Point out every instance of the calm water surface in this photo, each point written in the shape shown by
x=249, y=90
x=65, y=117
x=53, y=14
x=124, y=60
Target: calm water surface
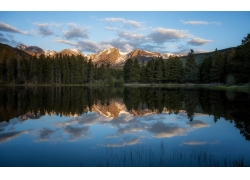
x=79, y=126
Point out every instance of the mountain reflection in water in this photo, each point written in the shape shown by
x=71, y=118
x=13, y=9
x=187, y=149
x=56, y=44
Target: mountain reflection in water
x=101, y=118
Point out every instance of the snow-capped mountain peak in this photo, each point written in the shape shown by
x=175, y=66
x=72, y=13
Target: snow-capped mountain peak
x=50, y=53
x=75, y=50
x=71, y=52
x=22, y=47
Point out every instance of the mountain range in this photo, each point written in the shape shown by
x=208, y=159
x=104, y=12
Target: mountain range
x=112, y=56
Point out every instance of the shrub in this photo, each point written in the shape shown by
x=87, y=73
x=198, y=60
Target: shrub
x=230, y=80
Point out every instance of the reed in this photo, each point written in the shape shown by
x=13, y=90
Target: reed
x=140, y=156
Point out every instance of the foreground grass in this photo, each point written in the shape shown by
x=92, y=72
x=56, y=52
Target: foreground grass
x=168, y=85
x=146, y=156
x=57, y=85
x=241, y=88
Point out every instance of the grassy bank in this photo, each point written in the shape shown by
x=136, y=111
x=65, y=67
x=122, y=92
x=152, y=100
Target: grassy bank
x=161, y=156
x=241, y=88
x=57, y=85
x=168, y=85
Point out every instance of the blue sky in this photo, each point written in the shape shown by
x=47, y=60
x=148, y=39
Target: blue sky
x=92, y=31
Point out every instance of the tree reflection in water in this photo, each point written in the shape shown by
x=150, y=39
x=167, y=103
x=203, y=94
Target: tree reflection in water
x=34, y=102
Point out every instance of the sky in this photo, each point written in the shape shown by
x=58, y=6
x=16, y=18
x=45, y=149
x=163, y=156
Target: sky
x=157, y=31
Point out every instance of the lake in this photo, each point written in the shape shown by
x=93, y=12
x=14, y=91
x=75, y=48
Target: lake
x=141, y=127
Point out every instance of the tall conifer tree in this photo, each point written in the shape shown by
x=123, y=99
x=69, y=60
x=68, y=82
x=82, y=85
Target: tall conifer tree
x=191, y=70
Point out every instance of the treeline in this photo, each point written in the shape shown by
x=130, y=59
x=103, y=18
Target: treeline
x=231, y=67
x=156, y=71
x=63, y=100
x=54, y=70
x=16, y=101
x=232, y=106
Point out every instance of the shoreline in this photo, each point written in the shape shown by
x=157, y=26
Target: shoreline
x=55, y=85
x=240, y=88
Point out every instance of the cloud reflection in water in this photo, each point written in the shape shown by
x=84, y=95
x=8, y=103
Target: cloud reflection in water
x=7, y=136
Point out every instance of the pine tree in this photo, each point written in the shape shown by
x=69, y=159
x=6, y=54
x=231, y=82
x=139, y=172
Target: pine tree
x=143, y=75
x=191, y=70
x=10, y=65
x=90, y=71
x=127, y=70
x=83, y=70
x=67, y=70
x=150, y=71
x=59, y=69
x=120, y=82
x=3, y=64
x=229, y=56
x=95, y=72
x=49, y=70
x=33, y=72
x=40, y=69
x=241, y=61
x=107, y=73
x=101, y=72
x=135, y=72
x=24, y=70
x=173, y=70
x=206, y=66
x=159, y=69
x=218, y=67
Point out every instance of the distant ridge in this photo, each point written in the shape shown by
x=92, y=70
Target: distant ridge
x=112, y=56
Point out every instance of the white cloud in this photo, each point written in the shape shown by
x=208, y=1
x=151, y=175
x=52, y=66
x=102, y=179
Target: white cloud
x=92, y=46
x=44, y=29
x=126, y=143
x=200, y=22
x=198, y=41
x=198, y=124
x=65, y=42
x=76, y=132
x=127, y=22
x=111, y=29
x=8, y=28
x=128, y=48
x=201, y=51
x=162, y=130
x=162, y=35
x=115, y=20
x=129, y=35
x=130, y=129
x=76, y=32
x=87, y=46
x=133, y=23
x=8, y=40
x=7, y=136
x=4, y=40
x=72, y=24
x=192, y=143
x=45, y=134
x=123, y=45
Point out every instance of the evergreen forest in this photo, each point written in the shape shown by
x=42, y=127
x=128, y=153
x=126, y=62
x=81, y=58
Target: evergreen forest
x=231, y=67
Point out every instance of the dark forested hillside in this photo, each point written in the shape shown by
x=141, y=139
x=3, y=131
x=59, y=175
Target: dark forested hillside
x=230, y=66
x=18, y=67
x=199, y=57
x=13, y=51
